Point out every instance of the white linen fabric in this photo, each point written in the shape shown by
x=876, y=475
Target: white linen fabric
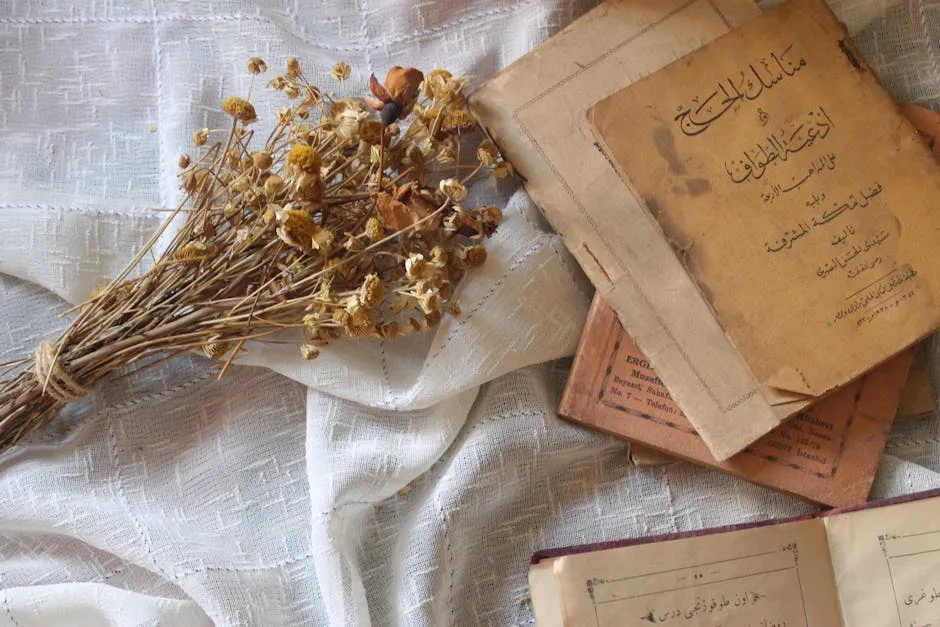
x=400, y=483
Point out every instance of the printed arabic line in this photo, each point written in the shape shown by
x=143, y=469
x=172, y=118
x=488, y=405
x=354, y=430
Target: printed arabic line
x=780, y=148
x=690, y=121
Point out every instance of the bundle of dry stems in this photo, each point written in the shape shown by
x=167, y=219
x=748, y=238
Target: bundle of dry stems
x=347, y=221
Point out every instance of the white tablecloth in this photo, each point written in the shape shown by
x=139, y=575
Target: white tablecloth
x=397, y=483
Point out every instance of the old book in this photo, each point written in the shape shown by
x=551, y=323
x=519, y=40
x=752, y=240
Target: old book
x=828, y=453
x=794, y=191
x=536, y=111
x=875, y=565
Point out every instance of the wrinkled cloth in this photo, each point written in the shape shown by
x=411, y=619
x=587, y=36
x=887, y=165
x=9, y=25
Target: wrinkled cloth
x=401, y=483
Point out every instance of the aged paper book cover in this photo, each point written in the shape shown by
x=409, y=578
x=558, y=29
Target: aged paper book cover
x=874, y=565
x=794, y=191
x=828, y=453
x=536, y=111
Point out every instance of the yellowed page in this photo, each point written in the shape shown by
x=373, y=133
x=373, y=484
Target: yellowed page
x=798, y=195
x=887, y=564
x=536, y=110
x=774, y=576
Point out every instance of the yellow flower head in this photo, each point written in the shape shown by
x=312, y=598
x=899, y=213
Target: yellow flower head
x=304, y=157
x=240, y=109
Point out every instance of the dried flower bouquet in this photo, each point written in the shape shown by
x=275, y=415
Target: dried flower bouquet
x=333, y=226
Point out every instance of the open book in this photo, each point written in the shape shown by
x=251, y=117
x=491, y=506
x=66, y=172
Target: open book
x=874, y=566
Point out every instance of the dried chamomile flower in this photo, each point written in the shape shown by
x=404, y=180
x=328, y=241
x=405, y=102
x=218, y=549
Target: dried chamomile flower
x=183, y=161
x=374, y=230
x=370, y=131
x=389, y=330
x=273, y=186
x=474, y=256
x=372, y=291
x=215, y=348
x=323, y=239
x=430, y=302
x=262, y=160
x=439, y=257
x=293, y=69
x=487, y=152
x=502, y=169
x=340, y=72
x=453, y=189
x=416, y=266
x=309, y=351
x=296, y=227
x=240, y=109
x=304, y=158
x=256, y=65
x=358, y=322
x=292, y=90
x=200, y=137
x=458, y=118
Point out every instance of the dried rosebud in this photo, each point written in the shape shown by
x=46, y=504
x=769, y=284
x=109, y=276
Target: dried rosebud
x=453, y=189
x=200, y=137
x=340, y=72
x=240, y=109
x=256, y=65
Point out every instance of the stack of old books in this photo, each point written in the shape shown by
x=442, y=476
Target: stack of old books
x=760, y=219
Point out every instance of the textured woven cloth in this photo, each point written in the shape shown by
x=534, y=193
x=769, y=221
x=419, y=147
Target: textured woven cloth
x=403, y=483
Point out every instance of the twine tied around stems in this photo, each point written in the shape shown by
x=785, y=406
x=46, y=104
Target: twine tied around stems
x=55, y=379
